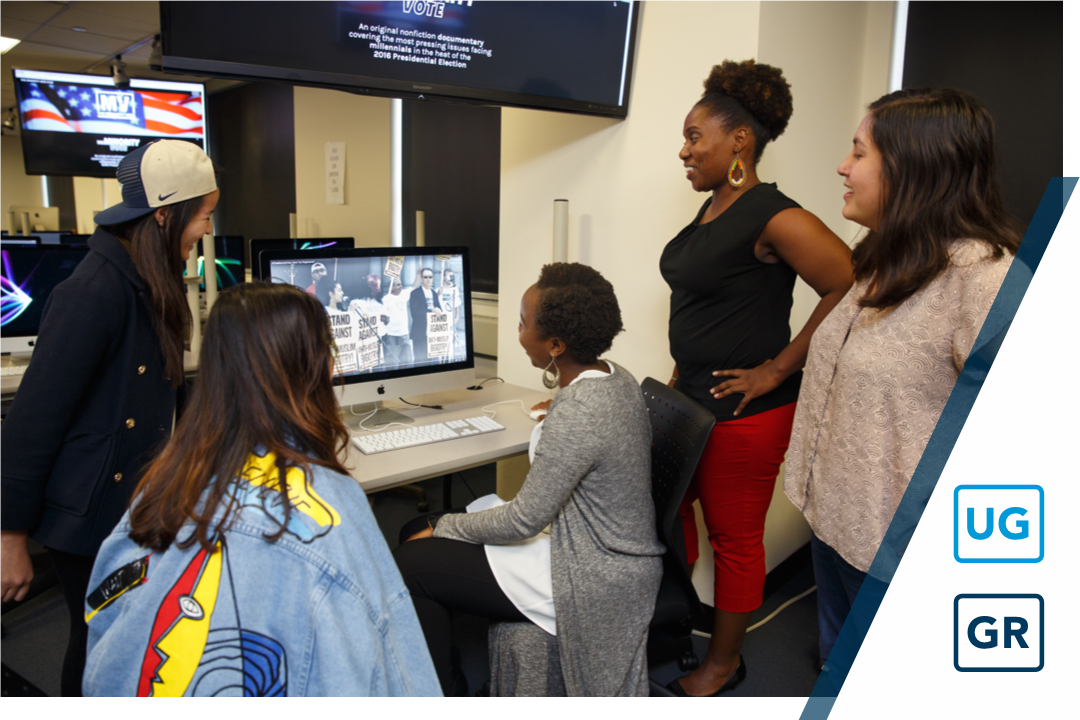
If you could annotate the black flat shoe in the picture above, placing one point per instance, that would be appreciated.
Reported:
(739, 675)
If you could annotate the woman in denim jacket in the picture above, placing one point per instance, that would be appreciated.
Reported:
(249, 562)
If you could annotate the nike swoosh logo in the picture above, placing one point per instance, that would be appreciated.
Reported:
(166, 197)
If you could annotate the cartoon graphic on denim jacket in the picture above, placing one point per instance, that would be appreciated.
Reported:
(262, 491)
(198, 644)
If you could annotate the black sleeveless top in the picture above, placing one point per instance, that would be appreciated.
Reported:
(729, 310)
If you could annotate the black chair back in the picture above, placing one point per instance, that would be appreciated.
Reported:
(680, 431)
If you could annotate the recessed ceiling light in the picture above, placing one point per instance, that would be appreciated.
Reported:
(6, 44)
(79, 29)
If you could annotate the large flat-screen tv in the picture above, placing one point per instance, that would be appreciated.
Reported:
(83, 124)
(401, 317)
(29, 276)
(569, 56)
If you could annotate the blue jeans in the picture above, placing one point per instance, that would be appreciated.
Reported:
(838, 583)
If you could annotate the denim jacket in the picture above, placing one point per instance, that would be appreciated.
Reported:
(321, 611)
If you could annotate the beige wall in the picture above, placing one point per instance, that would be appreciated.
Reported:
(363, 123)
(92, 195)
(627, 191)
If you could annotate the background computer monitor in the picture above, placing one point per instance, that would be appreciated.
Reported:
(74, 239)
(257, 246)
(45, 219)
(20, 241)
(53, 238)
(370, 366)
(228, 259)
(29, 276)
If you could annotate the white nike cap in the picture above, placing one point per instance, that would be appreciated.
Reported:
(157, 174)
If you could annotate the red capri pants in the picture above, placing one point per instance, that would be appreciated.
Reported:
(734, 482)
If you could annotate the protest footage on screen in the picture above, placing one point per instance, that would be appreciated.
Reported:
(376, 325)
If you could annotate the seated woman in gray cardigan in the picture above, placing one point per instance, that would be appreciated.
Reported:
(597, 575)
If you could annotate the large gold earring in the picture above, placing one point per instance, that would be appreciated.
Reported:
(736, 164)
(551, 379)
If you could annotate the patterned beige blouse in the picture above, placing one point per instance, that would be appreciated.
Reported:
(868, 405)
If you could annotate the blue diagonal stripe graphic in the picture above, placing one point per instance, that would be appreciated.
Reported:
(948, 428)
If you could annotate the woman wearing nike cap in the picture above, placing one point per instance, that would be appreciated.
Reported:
(98, 397)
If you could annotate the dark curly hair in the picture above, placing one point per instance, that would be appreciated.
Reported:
(750, 94)
(578, 306)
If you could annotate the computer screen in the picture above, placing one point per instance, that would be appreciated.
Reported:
(258, 245)
(402, 317)
(29, 276)
(20, 241)
(228, 261)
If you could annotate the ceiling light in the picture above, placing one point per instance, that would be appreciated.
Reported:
(6, 44)
(79, 29)
(9, 121)
(119, 77)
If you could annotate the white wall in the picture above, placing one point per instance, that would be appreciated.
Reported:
(363, 123)
(627, 191)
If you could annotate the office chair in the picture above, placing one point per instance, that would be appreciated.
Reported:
(680, 430)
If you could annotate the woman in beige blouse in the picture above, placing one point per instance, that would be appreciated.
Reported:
(922, 178)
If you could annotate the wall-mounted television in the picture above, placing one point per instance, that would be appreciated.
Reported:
(568, 56)
(83, 124)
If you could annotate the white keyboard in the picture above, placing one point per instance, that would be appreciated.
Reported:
(6, 370)
(425, 434)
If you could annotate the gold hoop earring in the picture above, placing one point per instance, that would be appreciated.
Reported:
(551, 382)
(736, 164)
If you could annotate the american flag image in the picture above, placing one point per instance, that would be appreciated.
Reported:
(104, 110)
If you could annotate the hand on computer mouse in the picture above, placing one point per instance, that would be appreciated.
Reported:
(539, 410)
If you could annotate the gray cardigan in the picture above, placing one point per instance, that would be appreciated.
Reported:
(591, 480)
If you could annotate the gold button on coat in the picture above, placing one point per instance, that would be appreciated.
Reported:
(142, 369)
(118, 477)
(130, 422)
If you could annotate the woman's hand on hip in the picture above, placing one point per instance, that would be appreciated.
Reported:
(16, 570)
(425, 533)
(753, 383)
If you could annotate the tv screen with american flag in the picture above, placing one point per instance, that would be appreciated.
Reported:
(83, 124)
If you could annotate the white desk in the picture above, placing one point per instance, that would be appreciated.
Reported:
(400, 467)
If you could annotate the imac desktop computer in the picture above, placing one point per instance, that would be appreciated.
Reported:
(401, 318)
(29, 275)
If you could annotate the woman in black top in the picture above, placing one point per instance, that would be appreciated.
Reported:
(732, 272)
(99, 394)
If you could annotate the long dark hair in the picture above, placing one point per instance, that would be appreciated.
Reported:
(156, 253)
(939, 184)
(264, 379)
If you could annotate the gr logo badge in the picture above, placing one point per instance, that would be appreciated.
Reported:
(998, 524)
(998, 633)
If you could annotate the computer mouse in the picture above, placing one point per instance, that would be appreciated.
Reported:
(538, 414)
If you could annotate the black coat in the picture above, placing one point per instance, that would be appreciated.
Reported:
(418, 311)
(91, 409)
